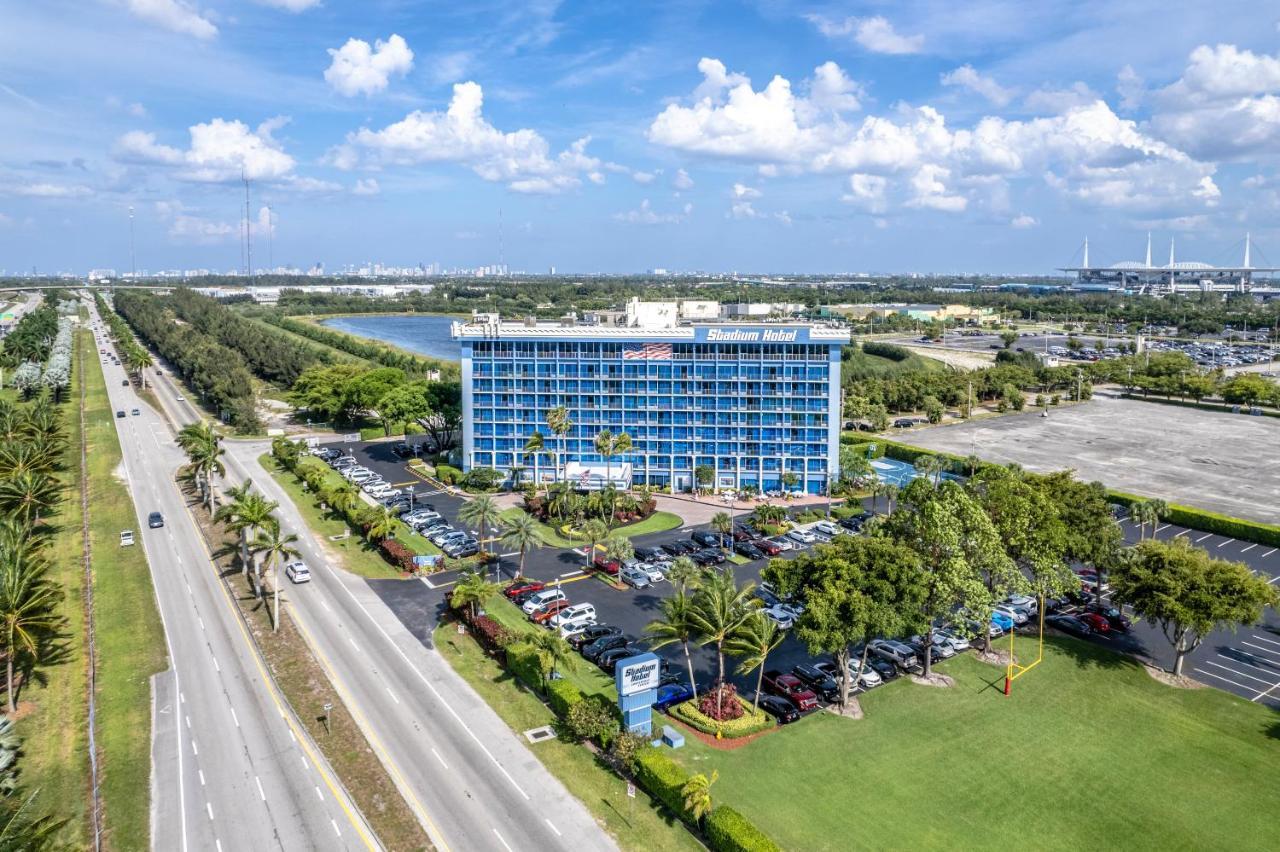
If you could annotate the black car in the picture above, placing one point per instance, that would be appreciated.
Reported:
(596, 631)
(935, 655)
(713, 555)
(748, 550)
(120, 413)
(604, 644)
(819, 681)
(679, 548)
(155, 519)
(1114, 617)
(608, 661)
(648, 554)
(887, 670)
(1070, 624)
(779, 708)
(703, 558)
(125, 383)
(853, 523)
(706, 539)
(903, 423)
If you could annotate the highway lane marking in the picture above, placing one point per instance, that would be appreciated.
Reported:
(188, 723)
(215, 664)
(353, 644)
(194, 750)
(335, 827)
(261, 793)
(392, 694)
(319, 795)
(1250, 547)
(503, 842)
(552, 826)
(201, 771)
(209, 807)
(439, 758)
(290, 730)
(1203, 537)
(201, 620)
(305, 765)
(325, 605)
(233, 717)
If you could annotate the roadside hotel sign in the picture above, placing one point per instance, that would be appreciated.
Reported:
(750, 335)
(637, 681)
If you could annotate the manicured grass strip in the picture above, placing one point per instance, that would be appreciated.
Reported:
(1087, 746)
(358, 556)
(587, 677)
(130, 638)
(657, 522)
(636, 824)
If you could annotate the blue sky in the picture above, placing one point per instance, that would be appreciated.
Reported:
(615, 136)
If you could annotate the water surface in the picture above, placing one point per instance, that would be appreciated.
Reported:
(425, 334)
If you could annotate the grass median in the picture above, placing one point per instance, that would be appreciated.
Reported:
(636, 824)
(1088, 746)
(553, 537)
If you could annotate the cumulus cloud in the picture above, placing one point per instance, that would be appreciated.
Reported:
(294, 6)
(741, 190)
(188, 226)
(875, 34)
(1024, 220)
(1130, 87)
(220, 150)
(1050, 100)
(521, 159)
(966, 77)
(1225, 105)
(358, 68)
(682, 181)
(368, 186)
(867, 191)
(646, 215)
(47, 190)
(176, 15)
(832, 90)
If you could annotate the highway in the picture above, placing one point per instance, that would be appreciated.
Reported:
(472, 782)
(231, 766)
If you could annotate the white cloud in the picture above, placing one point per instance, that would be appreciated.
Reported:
(367, 186)
(220, 151)
(741, 190)
(1047, 100)
(682, 181)
(1226, 71)
(867, 191)
(1024, 220)
(187, 226)
(1130, 87)
(359, 69)
(930, 190)
(966, 77)
(462, 135)
(831, 89)
(875, 34)
(1226, 104)
(643, 178)
(176, 15)
(646, 215)
(742, 210)
(47, 190)
(294, 6)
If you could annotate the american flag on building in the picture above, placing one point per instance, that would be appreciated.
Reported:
(646, 352)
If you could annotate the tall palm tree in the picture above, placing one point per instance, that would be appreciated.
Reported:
(382, 524)
(720, 606)
(245, 514)
(277, 548)
(472, 591)
(555, 652)
(594, 531)
(560, 424)
(722, 522)
(675, 625)
(28, 494)
(28, 613)
(891, 494)
(481, 512)
(619, 547)
(21, 829)
(343, 497)
(203, 446)
(532, 449)
(930, 467)
(521, 533)
(138, 360)
(697, 794)
(683, 573)
(754, 641)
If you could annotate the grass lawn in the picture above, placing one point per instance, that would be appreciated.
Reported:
(586, 676)
(1088, 747)
(635, 824)
(358, 556)
(657, 522)
(130, 639)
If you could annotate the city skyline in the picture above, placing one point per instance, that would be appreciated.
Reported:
(763, 137)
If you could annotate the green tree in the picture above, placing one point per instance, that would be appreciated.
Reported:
(482, 513)
(619, 547)
(1008, 338)
(203, 446)
(560, 424)
(790, 479)
(933, 409)
(28, 613)
(245, 513)
(402, 404)
(1189, 594)
(381, 523)
(878, 415)
(593, 532)
(722, 523)
(720, 606)
(521, 534)
(675, 624)
(855, 467)
(472, 591)
(753, 642)
(683, 573)
(696, 793)
(276, 548)
(1014, 397)
(1148, 512)
(534, 448)
(1247, 389)
(554, 653)
(28, 494)
(703, 476)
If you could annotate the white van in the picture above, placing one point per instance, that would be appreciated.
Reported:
(573, 613)
(543, 598)
(298, 572)
(573, 628)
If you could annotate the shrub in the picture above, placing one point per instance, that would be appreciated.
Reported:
(625, 748)
(886, 350)
(663, 779)
(562, 696)
(481, 479)
(591, 718)
(721, 704)
(746, 724)
(525, 662)
(809, 517)
(411, 428)
(729, 831)
(397, 554)
(490, 634)
(448, 474)
(1210, 522)
(772, 529)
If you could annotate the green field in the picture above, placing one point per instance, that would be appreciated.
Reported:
(657, 522)
(1088, 750)
(860, 365)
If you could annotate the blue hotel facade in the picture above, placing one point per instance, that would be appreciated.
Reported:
(749, 400)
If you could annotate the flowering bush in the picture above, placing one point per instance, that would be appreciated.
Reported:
(397, 554)
(725, 695)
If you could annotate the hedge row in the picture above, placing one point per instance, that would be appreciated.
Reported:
(1210, 522)
(524, 661)
(562, 695)
(863, 447)
(743, 726)
(373, 433)
(664, 779)
(729, 831)
(1220, 407)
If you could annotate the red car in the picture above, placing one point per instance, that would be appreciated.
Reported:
(542, 616)
(607, 565)
(521, 586)
(769, 548)
(792, 688)
(1097, 623)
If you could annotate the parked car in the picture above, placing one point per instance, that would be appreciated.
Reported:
(671, 694)
(462, 549)
(940, 645)
(792, 688)
(649, 554)
(885, 669)
(1069, 624)
(780, 616)
(1017, 616)
(898, 653)
(701, 559)
(782, 543)
(802, 536)
(522, 586)
(540, 599)
(679, 548)
(635, 578)
(297, 571)
(706, 539)
(1097, 623)
(779, 708)
(594, 649)
(867, 678)
(826, 528)
(607, 564)
(544, 614)
(654, 573)
(819, 681)
(1114, 617)
(1023, 602)
(571, 629)
(957, 641)
(748, 550)
(712, 555)
(1002, 621)
(576, 612)
(767, 546)
(907, 422)
(609, 659)
(592, 633)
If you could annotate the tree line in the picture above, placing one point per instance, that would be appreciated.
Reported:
(346, 393)
(368, 350)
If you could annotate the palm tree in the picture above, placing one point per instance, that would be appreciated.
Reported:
(722, 522)
(604, 444)
(247, 513)
(720, 607)
(532, 449)
(1146, 512)
(930, 467)
(697, 794)
(27, 494)
(343, 497)
(521, 533)
(619, 547)
(472, 590)
(555, 653)
(28, 612)
(382, 524)
(878, 487)
(29, 832)
(560, 424)
(675, 625)
(138, 360)
(481, 512)
(683, 573)
(754, 641)
(277, 549)
(203, 446)
(10, 746)
(891, 494)
(594, 531)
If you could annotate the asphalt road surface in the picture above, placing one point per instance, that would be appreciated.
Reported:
(470, 780)
(233, 769)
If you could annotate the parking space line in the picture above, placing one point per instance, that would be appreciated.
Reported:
(1250, 547)
(1203, 537)
(1269, 552)
(1221, 678)
(1181, 534)
(1266, 691)
(1265, 639)
(1243, 674)
(1165, 527)
(1228, 541)
(1262, 649)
